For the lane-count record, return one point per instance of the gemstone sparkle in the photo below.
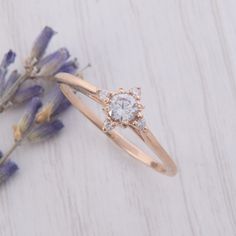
(103, 94)
(123, 107)
(107, 126)
(141, 124)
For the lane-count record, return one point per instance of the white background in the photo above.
(183, 55)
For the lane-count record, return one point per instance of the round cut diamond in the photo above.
(123, 107)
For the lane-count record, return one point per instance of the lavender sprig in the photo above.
(36, 66)
(27, 129)
(37, 52)
(36, 124)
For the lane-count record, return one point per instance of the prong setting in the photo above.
(121, 90)
(122, 108)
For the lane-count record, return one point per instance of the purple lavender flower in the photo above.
(13, 91)
(45, 131)
(7, 169)
(58, 103)
(2, 80)
(41, 43)
(11, 79)
(50, 65)
(25, 94)
(8, 59)
(69, 67)
(28, 118)
(62, 106)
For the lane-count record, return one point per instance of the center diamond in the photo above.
(123, 107)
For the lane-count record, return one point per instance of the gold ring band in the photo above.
(70, 83)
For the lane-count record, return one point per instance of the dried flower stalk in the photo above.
(38, 122)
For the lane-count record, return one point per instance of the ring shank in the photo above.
(68, 82)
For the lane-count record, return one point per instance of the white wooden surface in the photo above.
(183, 55)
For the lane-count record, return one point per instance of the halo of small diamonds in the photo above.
(122, 108)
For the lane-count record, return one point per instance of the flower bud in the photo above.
(49, 65)
(26, 94)
(8, 59)
(7, 169)
(11, 79)
(28, 119)
(45, 131)
(41, 43)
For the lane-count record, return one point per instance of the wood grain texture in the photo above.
(183, 55)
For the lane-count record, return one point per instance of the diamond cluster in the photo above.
(122, 108)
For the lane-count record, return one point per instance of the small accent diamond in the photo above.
(141, 124)
(136, 91)
(107, 126)
(103, 94)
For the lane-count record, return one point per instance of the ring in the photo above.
(124, 109)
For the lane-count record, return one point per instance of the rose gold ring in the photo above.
(122, 108)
